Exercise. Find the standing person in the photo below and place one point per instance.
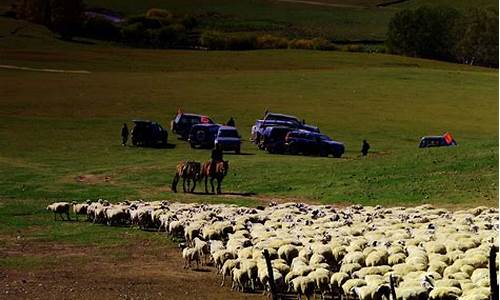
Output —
(216, 157)
(365, 148)
(230, 122)
(124, 134)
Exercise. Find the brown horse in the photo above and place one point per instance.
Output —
(218, 172)
(188, 171)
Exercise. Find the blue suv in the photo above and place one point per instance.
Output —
(203, 135)
(228, 139)
(273, 139)
(312, 143)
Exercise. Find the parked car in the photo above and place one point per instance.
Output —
(183, 122)
(228, 139)
(437, 141)
(273, 139)
(148, 133)
(203, 135)
(275, 119)
(312, 143)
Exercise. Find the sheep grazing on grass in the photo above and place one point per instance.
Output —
(80, 208)
(190, 255)
(60, 208)
(317, 250)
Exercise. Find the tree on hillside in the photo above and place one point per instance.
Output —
(61, 16)
(37, 11)
(66, 17)
(424, 32)
(477, 38)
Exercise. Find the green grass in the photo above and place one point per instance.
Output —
(56, 127)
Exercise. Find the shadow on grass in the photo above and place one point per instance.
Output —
(238, 154)
(165, 146)
(243, 194)
(77, 41)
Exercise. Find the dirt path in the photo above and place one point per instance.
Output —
(137, 271)
(11, 67)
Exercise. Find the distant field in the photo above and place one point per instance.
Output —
(339, 20)
(60, 126)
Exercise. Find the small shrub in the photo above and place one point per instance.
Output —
(169, 36)
(353, 48)
(301, 44)
(189, 21)
(100, 28)
(322, 44)
(135, 34)
(221, 41)
(213, 40)
(271, 42)
(241, 41)
(158, 13)
(146, 23)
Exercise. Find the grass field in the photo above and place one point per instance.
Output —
(59, 135)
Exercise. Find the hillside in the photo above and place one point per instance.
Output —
(59, 127)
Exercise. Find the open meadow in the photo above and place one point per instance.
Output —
(59, 140)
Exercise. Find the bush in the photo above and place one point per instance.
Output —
(169, 36)
(189, 21)
(147, 23)
(446, 34)
(158, 13)
(353, 48)
(477, 38)
(242, 41)
(135, 34)
(213, 40)
(66, 17)
(424, 32)
(301, 44)
(322, 44)
(271, 42)
(100, 28)
(221, 41)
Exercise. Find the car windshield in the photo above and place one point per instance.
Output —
(324, 137)
(228, 133)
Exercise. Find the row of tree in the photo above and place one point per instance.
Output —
(442, 33)
(62, 16)
(445, 33)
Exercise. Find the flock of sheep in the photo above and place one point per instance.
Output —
(357, 251)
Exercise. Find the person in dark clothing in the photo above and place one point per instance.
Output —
(124, 134)
(230, 122)
(217, 156)
(365, 148)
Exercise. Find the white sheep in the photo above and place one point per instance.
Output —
(60, 208)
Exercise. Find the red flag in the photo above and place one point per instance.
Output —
(448, 138)
(204, 119)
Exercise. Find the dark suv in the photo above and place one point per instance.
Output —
(148, 134)
(183, 122)
(273, 139)
(312, 143)
(203, 135)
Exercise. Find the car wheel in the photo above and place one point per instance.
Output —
(201, 136)
(294, 149)
(337, 155)
(323, 153)
(238, 150)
